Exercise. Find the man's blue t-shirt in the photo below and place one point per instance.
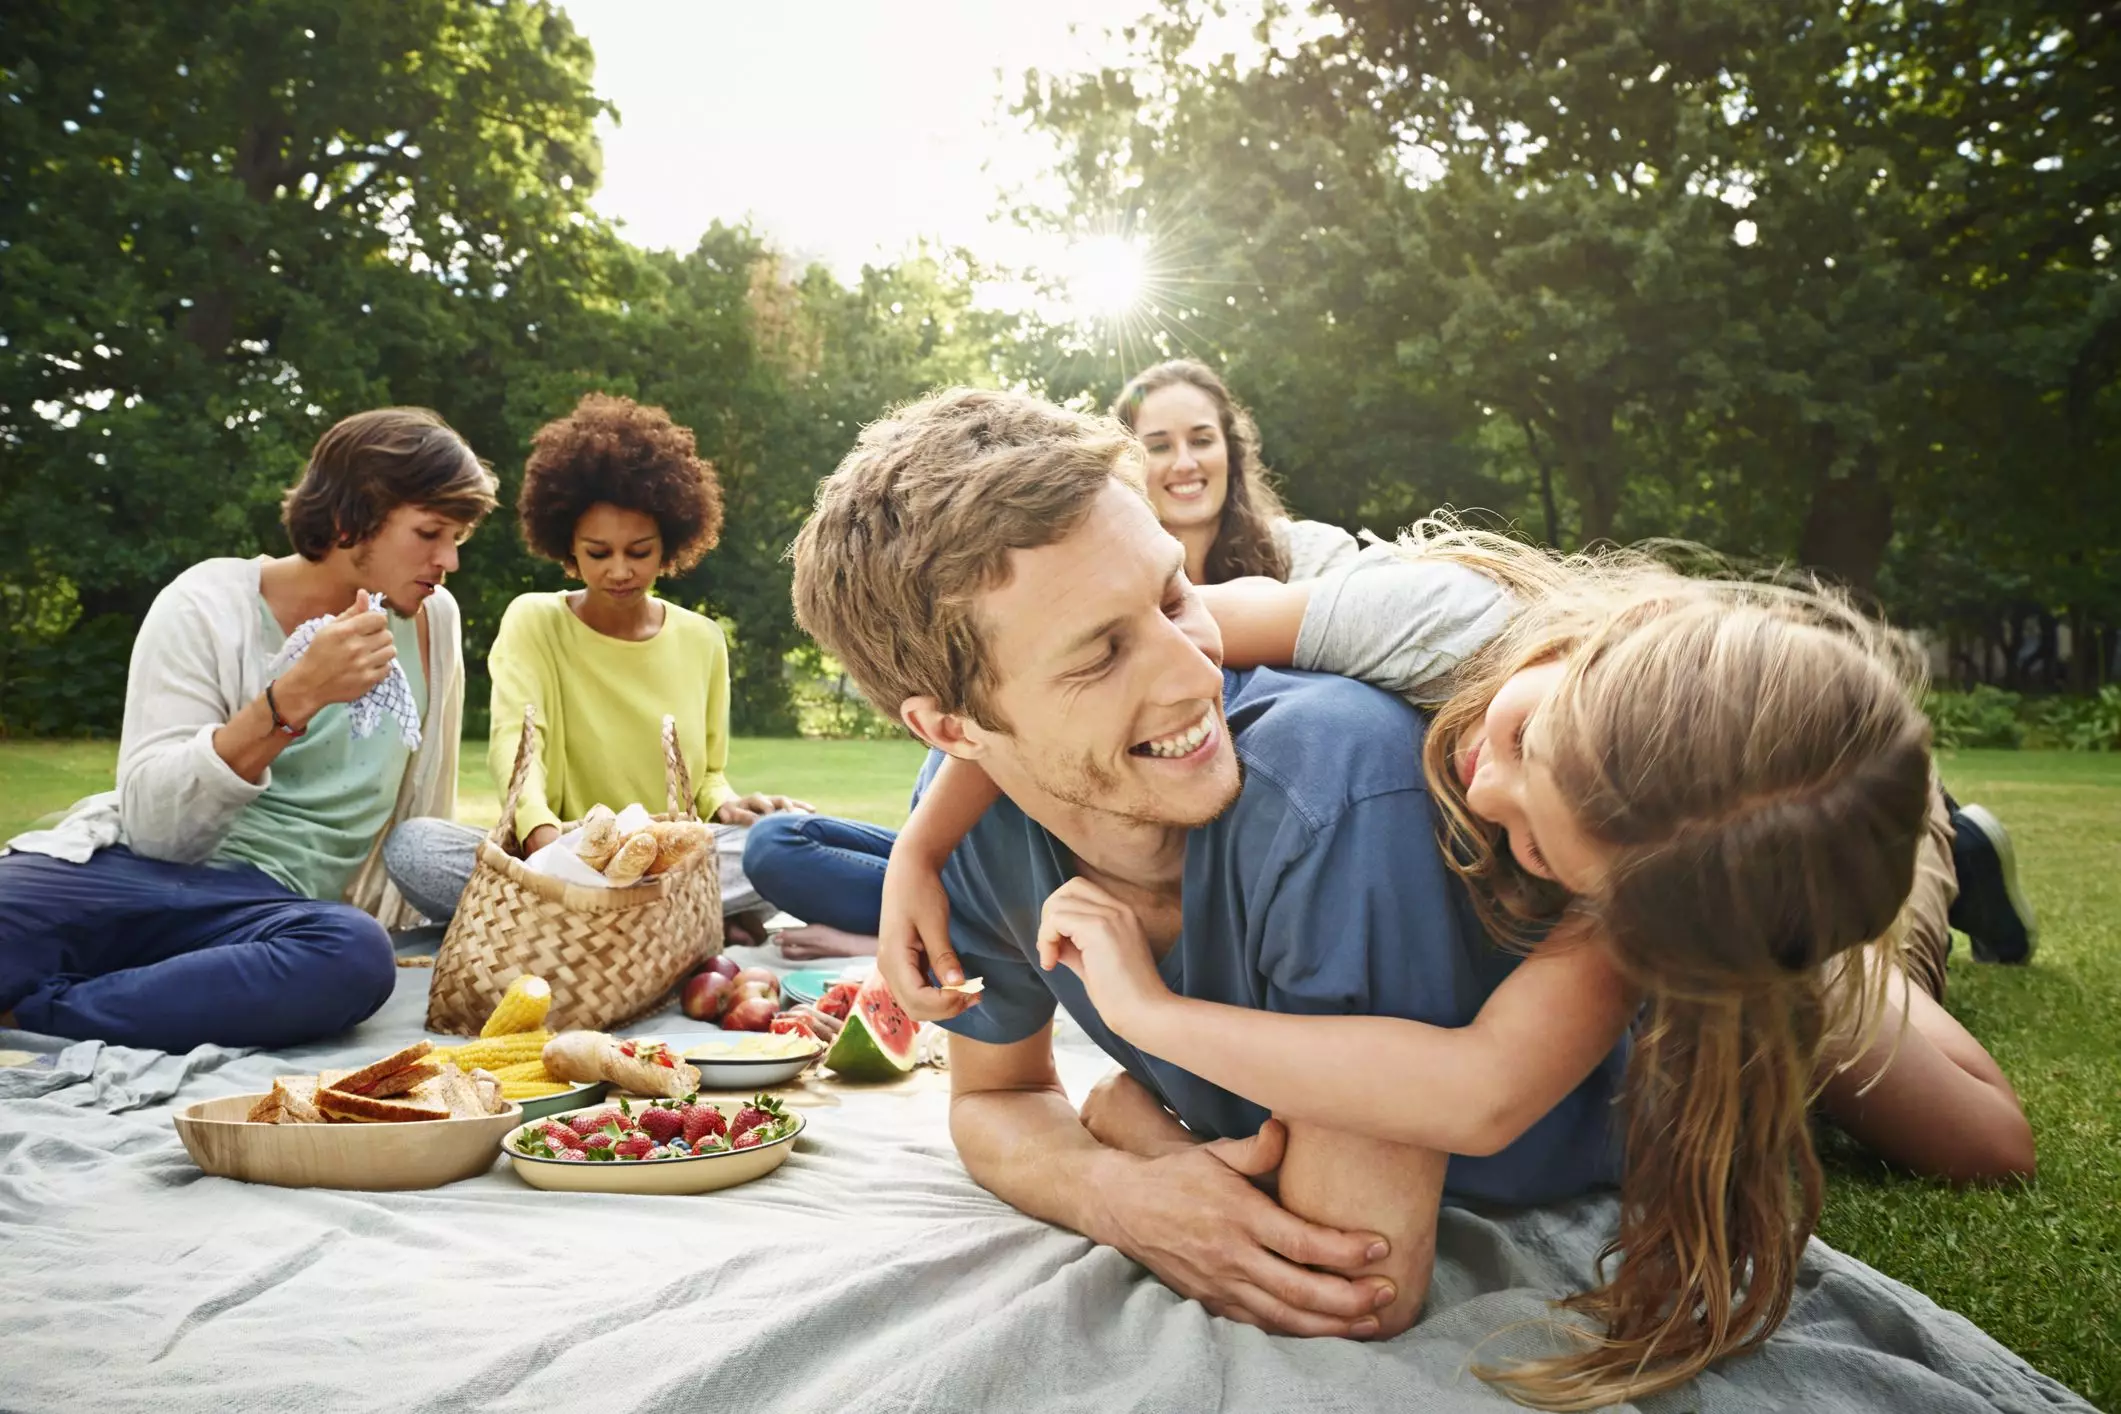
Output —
(1322, 891)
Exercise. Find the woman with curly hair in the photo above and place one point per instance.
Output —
(615, 493)
(1210, 489)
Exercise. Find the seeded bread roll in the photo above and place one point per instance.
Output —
(633, 858)
(678, 843)
(600, 837)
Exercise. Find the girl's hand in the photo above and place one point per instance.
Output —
(913, 938)
(1100, 940)
(540, 837)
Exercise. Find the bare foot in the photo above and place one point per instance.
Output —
(746, 929)
(817, 940)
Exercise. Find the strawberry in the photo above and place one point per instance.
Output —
(701, 1120)
(560, 1136)
(661, 1125)
(634, 1146)
(760, 1111)
(573, 1156)
(749, 1139)
(592, 1142)
(608, 1115)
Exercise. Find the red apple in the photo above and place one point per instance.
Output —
(723, 964)
(706, 995)
(763, 977)
(750, 1014)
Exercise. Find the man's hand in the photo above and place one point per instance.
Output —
(1099, 939)
(1195, 1220)
(746, 809)
(348, 656)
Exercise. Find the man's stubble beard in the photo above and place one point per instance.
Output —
(359, 559)
(1087, 785)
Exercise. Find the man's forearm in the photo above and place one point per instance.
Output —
(1028, 1148)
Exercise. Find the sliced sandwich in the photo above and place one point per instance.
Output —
(292, 1100)
(424, 1101)
(395, 1074)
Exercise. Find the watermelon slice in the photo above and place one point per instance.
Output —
(877, 1043)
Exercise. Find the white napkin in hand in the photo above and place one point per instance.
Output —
(365, 713)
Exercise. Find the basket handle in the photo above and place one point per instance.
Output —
(677, 781)
(504, 829)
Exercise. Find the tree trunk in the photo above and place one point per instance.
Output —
(1587, 457)
(261, 166)
(1849, 524)
(1546, 483)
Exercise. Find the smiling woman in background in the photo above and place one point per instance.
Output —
(1209, 488)
(617, 494)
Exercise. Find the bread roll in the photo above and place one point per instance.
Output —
(600, 837)
(678, 843)
(633, 858)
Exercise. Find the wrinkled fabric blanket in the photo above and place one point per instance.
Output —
(869, 1273)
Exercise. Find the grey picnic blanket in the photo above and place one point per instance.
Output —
(868, 1273)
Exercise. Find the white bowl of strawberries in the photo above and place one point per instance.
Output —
(654, 1146)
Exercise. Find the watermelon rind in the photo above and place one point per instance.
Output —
(858, 1053)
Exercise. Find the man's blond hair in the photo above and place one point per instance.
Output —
(919, 519)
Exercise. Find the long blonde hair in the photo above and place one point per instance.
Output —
(1750, 756)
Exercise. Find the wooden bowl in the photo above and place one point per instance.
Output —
(697, 1173)
(372, 1157)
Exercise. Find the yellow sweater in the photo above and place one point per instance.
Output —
(601, 703)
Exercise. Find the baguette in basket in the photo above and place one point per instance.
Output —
(636, 1067)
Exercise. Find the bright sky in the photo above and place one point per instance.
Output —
(844, 129)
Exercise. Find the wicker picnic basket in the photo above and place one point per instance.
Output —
(610, 954)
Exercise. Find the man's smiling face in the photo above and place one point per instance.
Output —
(1110, 675)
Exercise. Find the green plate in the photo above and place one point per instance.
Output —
(580, 1097)
(809, 986)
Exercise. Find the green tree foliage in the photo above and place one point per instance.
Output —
(226, 227)
(1822, 282)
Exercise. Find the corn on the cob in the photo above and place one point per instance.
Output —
(521, 1070)
(522, 1007)
(531, 1089)
(497, 1052)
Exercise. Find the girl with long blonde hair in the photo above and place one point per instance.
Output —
(1705, 807)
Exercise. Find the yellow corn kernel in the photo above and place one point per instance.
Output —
(499, 1051)
(522, 1007)
(521, 1070)
(531, 1089)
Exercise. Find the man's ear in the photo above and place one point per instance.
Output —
(945, 731)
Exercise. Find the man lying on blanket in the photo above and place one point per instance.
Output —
(986, 564)
(278, 721)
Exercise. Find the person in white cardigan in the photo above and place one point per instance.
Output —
(230, 891)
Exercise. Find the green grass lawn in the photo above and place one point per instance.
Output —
(2039, 1266)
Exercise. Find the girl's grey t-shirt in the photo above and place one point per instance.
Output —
(1403, 624)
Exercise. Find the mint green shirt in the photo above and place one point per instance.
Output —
(330, 796)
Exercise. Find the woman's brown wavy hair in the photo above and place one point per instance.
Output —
(1751, 759)
(1245, 543)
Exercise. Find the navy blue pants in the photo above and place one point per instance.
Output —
(171, 956)
(820, 869)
